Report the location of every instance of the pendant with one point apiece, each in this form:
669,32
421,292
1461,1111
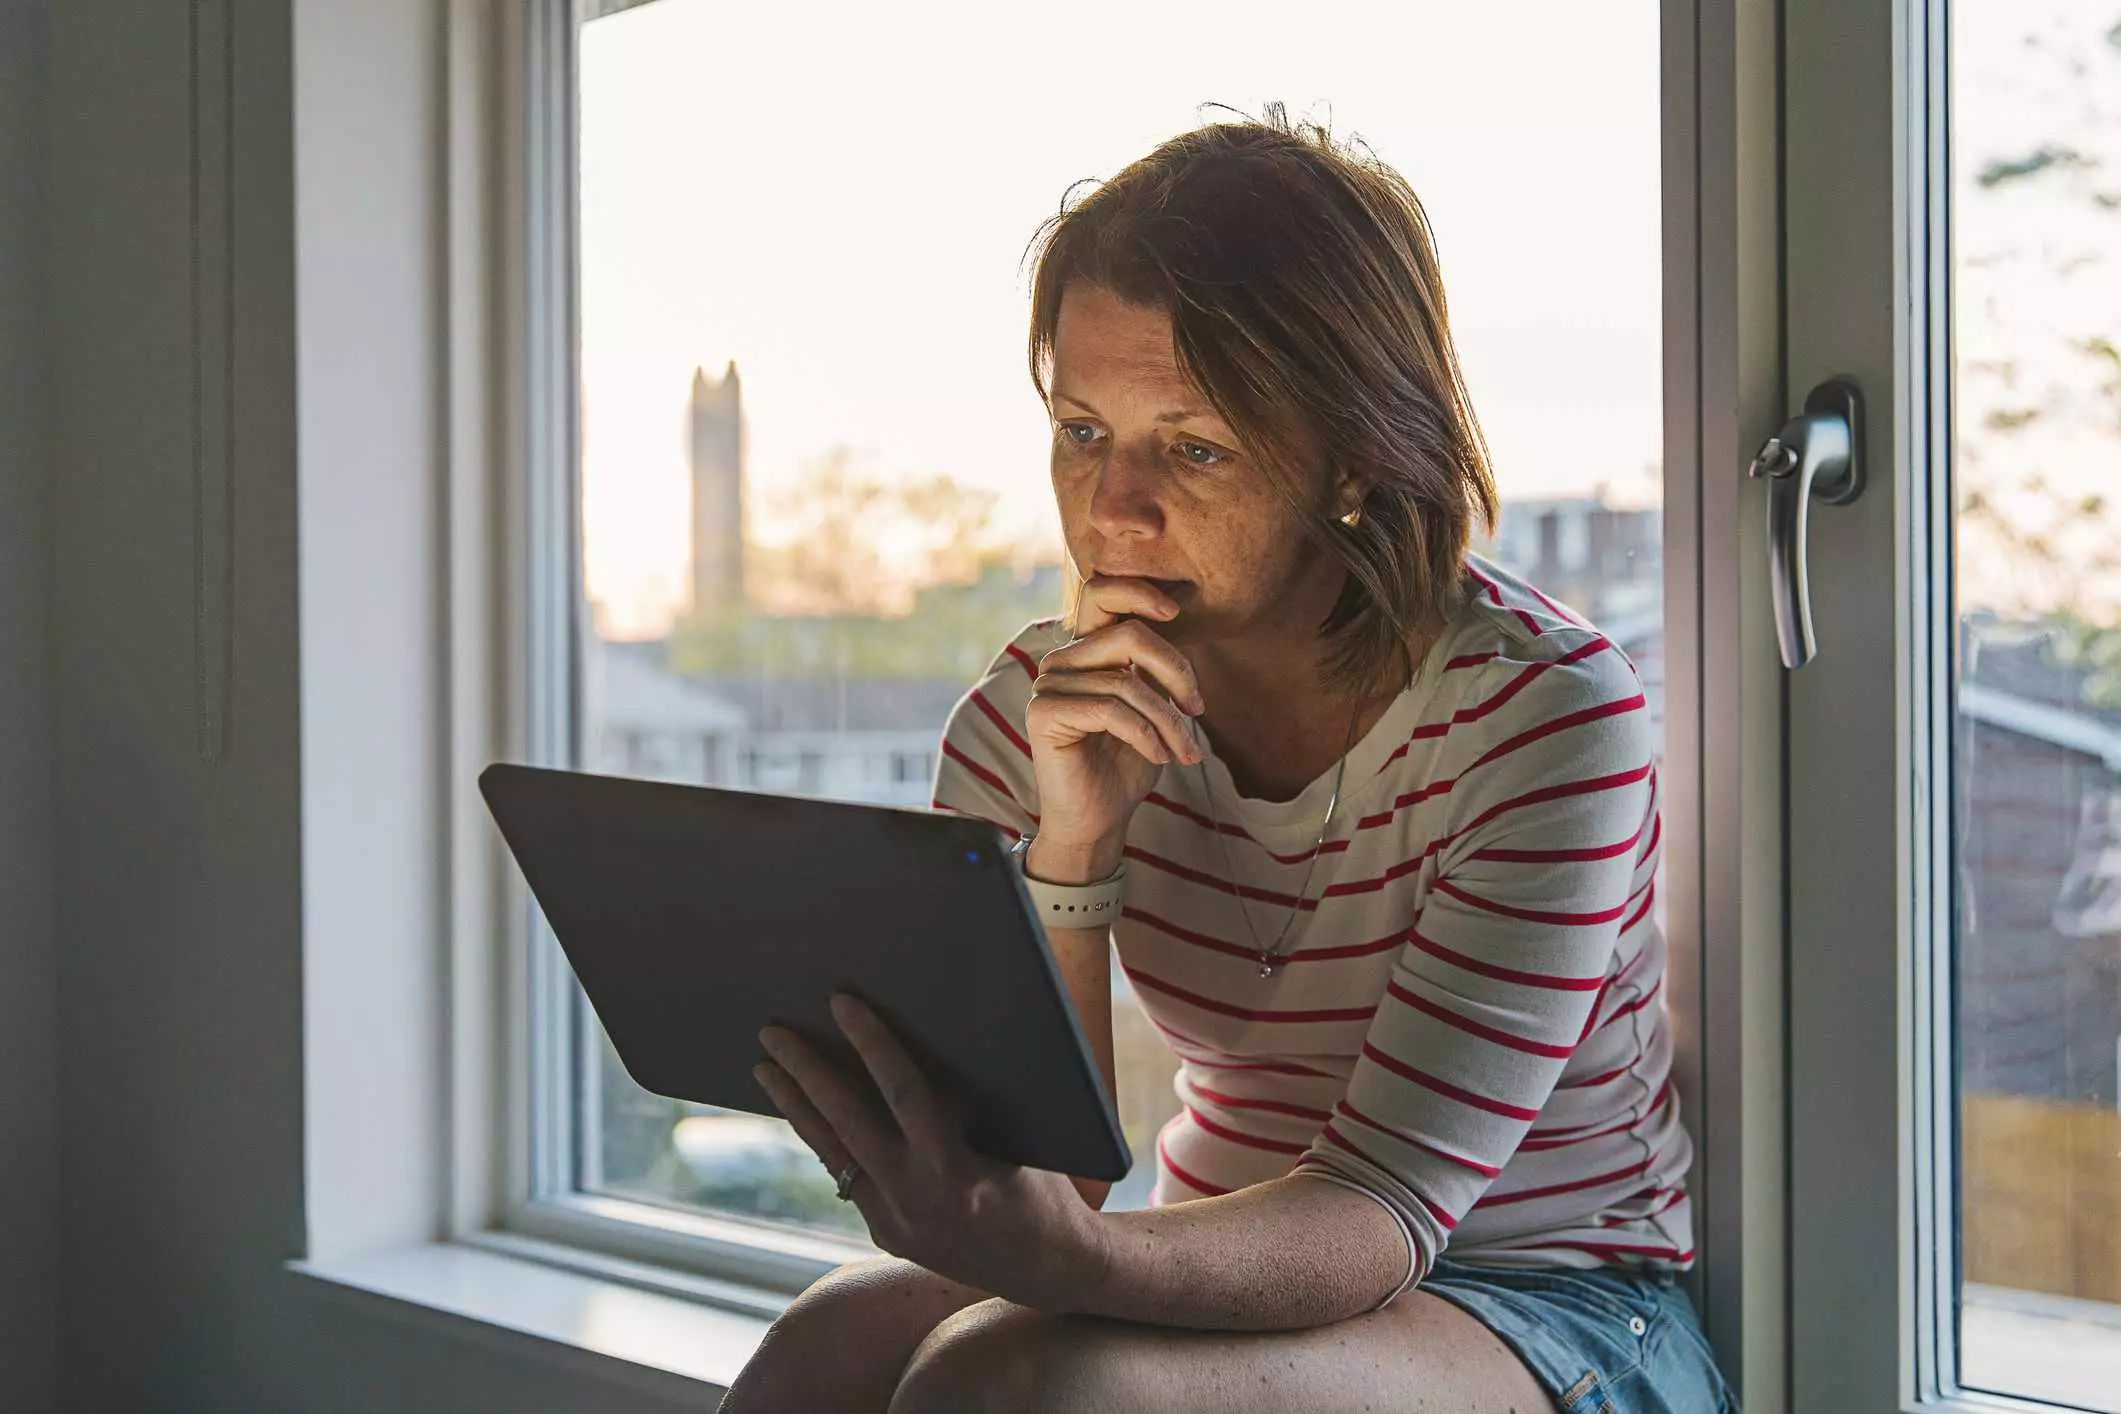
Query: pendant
1268,966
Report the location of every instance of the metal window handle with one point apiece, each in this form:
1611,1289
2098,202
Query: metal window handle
1817,453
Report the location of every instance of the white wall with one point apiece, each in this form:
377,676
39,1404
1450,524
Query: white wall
181,1017
368,269
29,1160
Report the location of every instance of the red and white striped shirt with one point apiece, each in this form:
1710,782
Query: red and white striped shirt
1470,1027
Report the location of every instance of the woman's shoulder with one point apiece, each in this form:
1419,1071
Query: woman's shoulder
1002,693
985,765
1517,662
1510,623
1014,666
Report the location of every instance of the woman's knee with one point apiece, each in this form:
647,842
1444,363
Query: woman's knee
854,1286
842,1343
993,1357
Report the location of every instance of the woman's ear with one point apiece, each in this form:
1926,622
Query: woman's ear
1349,491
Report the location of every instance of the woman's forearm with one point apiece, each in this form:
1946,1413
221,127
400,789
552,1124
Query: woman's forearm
1084,956
1288,1254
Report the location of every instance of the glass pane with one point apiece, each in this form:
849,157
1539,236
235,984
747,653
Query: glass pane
815,490
2036,187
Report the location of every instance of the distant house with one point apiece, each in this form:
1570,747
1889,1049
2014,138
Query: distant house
2039,892
1604,562
870,740
866,739
641,719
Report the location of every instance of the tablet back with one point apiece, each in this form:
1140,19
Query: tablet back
694,916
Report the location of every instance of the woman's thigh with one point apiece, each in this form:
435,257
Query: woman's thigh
842,1345
1421,1353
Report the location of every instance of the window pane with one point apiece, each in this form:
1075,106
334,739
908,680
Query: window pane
2036,186
815,494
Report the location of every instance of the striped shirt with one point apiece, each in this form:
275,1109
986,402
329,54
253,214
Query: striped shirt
1470,1026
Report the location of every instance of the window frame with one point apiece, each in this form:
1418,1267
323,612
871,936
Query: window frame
1864,1332
512,1188
1722,713
1873,1115
1725,805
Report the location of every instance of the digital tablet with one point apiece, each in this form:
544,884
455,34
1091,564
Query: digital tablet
694,916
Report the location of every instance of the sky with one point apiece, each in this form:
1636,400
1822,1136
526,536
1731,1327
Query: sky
2037,281
840,202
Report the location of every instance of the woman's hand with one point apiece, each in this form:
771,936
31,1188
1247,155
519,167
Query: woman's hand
1107,712
1018,1233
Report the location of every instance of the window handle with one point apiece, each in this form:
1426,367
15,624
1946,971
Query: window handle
1817,453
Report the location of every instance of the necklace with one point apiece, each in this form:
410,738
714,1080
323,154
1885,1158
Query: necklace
1273,959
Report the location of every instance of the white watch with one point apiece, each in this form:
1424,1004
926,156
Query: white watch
1072,905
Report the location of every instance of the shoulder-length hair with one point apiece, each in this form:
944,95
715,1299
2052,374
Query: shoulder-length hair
1301,280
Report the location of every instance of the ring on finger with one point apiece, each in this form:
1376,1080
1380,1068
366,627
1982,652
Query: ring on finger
846,1178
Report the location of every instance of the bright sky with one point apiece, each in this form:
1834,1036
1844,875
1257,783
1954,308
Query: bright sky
2038,282
840,202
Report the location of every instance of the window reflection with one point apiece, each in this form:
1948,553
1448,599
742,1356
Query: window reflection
2036,191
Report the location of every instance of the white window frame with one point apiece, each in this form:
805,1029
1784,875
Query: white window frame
1874,1266
1724,799
1724,713
514,556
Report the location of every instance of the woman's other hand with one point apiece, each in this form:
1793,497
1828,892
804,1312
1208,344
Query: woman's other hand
1108,711
927,1196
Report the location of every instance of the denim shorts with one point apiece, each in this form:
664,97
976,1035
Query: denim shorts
1610,1340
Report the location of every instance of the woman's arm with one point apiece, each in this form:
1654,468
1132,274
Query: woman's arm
1080,735
1290,1253
1287,1254
1084,956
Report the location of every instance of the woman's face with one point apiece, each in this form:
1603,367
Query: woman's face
1152,484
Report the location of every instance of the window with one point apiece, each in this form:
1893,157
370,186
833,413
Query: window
813,495
2036,738
1955,967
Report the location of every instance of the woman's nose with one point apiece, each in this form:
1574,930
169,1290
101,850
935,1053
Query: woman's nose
1123,503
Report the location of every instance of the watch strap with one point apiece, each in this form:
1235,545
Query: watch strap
1072,905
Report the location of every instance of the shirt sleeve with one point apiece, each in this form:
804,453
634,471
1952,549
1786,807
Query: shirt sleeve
1494,987
984,767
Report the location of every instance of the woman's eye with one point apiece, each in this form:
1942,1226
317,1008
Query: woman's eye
1208,455
1069,429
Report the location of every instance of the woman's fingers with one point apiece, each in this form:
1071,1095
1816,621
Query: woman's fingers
1074,718
802,1116
1131,644
1108,598
912,1100
869,1137
1173,727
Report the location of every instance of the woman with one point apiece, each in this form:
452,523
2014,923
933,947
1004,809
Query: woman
1381,826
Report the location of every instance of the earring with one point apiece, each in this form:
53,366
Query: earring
1352,518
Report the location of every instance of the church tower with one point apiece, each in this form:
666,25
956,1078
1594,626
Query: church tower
717,492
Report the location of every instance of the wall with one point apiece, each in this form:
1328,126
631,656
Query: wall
368,137
179,979
2042,1195
29,1164
179,875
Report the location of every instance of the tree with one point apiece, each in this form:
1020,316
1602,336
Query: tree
874,579
2038,377
857,544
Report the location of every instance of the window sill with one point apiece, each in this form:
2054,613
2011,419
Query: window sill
677,1345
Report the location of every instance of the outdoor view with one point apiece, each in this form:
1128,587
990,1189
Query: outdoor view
2036,223
815,488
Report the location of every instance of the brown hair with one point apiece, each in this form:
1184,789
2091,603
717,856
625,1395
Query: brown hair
1301,280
